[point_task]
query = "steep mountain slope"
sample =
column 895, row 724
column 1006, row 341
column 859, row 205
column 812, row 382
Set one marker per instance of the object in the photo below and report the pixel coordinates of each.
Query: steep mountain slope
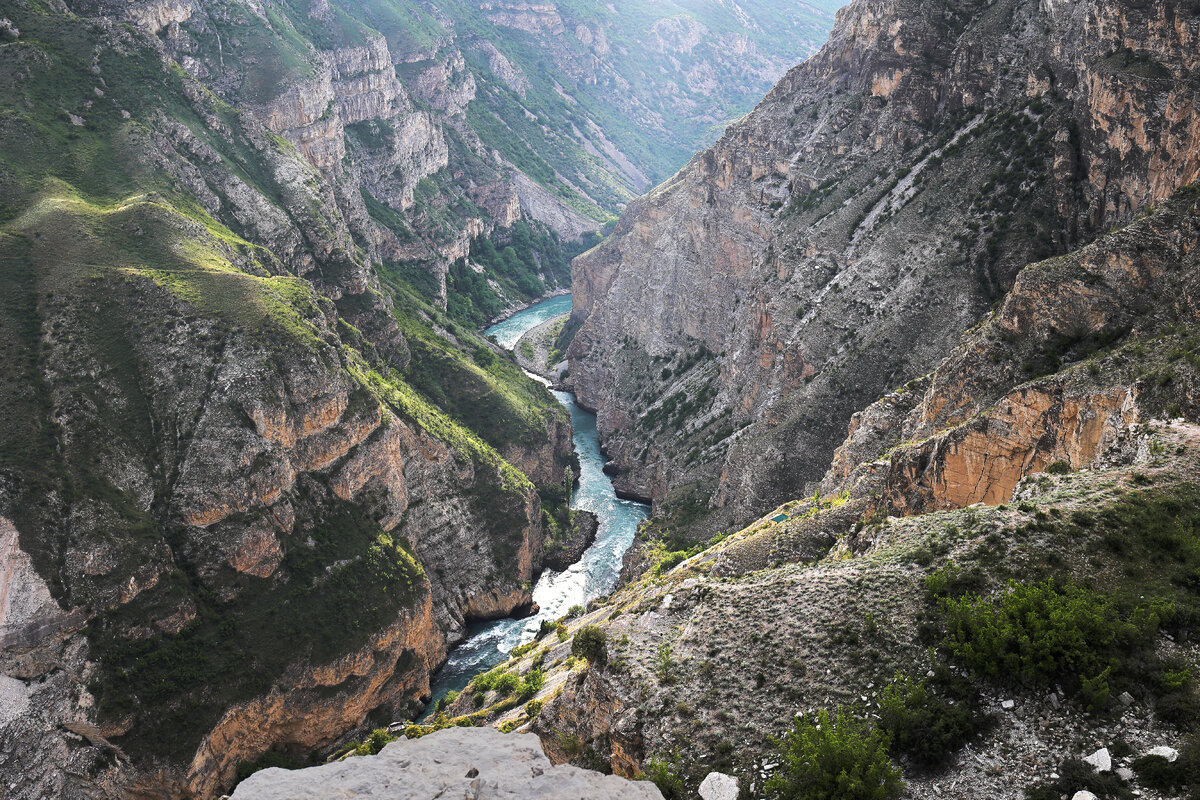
column 233, row 516
column 258, row 471
column 456, row 120
column 1055, row 453
column 834, row 244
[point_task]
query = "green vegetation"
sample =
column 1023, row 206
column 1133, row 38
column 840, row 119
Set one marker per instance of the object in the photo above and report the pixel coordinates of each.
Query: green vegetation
column 1075, row 775
column 268, row 760
column 591, row 642
column 668, row 776
column 1036, row 634
column 834, row 757
column 926, row 720
column 180, row 684
column 1180, row 777
column 509, row 684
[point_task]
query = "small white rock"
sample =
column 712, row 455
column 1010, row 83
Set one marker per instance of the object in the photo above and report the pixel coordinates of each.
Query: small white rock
column 1100, row 759
column 1125, row 773
column 1008, row 705
column 1162, row 751
column 718, row 786
column 1084, row 795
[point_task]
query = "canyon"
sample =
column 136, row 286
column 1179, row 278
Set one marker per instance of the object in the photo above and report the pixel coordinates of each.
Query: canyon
column 259, row 471
column 914, row 338
column 879, row 201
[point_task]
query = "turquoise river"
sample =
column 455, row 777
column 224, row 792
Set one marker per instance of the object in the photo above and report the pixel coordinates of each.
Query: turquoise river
column 595, row 574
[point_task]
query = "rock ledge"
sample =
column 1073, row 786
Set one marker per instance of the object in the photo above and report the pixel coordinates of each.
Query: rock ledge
column 476, row 763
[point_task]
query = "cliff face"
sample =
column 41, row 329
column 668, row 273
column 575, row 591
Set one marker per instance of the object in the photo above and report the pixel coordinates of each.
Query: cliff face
column 442, row 123
column 833, row 244
column 1054, row 445
column 1110, row 324
column 231, row 522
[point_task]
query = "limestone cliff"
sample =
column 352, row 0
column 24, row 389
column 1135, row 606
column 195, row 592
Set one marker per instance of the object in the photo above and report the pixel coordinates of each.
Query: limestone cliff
column 1110, row 323
column 240, row 512
column 1056, row 443
column 834, row 244
column 442, row 123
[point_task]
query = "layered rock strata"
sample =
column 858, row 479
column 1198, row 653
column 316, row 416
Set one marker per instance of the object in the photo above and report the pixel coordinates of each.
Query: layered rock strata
column 834, row 244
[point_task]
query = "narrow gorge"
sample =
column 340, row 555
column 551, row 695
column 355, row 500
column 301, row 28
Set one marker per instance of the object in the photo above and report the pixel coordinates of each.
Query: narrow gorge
column 656, row 398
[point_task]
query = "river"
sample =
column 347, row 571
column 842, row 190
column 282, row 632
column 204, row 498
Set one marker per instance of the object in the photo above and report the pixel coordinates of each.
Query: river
column 593, row 575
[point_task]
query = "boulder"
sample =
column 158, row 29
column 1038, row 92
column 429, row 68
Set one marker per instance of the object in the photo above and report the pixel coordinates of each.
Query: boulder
column 1084, row 795
column 719, row 786
column 480, row 763
column 1100, row 759
column 1162, row 751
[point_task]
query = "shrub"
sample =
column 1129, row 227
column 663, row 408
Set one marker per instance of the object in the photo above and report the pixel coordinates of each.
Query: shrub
column 1059, row 468
column 1038, row 634
column 1075, row 775
column 506, row 683
column 378, row 739
column 532, row 684
column 1178, row 777
column 668, row 777
column 664, row 665
column 952, row 582
column 834, row 757
column 533, row 708
column 591, row 642
column 925, row 728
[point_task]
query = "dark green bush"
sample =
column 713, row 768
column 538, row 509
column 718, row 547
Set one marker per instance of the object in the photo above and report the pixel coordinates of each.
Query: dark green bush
column 1075, row 775
column 668, row 777
column 1037, row 634
column 268, row 759
column 1059, row 468
column 951, row 582
column 925, row 728
column 532, row 683
column 1181, row 777
column 591, row 642
column 834, row 757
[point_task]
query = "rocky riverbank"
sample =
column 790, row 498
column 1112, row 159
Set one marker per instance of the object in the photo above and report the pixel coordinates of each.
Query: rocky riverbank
column 537, row 353
column 560, row 555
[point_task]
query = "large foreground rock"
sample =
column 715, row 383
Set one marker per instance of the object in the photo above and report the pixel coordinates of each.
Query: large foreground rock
column 476, row 763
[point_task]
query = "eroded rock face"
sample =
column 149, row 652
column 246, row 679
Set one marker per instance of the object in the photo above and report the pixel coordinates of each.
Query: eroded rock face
column 469, row 762
column 834, row 244
column 974, row 428
column 223, row 529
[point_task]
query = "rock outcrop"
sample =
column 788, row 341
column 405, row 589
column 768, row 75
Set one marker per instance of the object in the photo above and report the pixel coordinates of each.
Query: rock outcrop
column 986, row 418
column 468, row 762
column 835, row 243
column 231, row 524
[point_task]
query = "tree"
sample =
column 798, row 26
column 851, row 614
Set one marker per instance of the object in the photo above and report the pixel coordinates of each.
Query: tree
column 591, row 642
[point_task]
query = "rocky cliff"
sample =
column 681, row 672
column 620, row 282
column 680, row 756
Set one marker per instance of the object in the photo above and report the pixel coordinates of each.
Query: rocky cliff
column 833, row 245
column 443, row 123
column 1056, row 445
column 260, row 471
column 250, row 493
